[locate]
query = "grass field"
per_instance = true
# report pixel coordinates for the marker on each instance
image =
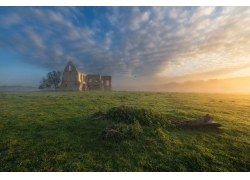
(56, 131)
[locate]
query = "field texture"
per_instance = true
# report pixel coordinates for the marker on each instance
(61, 131)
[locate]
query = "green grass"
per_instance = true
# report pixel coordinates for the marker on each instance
(56, 131)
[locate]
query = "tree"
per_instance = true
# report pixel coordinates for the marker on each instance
(52, 79)
(43, 84)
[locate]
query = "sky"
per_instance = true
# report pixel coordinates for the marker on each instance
(157, 44)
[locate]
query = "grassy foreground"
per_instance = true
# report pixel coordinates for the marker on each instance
(56, 131)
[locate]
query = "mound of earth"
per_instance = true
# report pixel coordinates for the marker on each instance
(128, 115)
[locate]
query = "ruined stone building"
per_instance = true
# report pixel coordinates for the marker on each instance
(74, 80)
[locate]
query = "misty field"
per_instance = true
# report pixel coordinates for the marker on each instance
(61, 131)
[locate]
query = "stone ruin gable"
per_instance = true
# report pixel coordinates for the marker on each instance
(74, 80)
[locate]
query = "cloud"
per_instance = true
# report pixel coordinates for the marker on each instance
(202, 12)
(138, 18)
(174, 13)
(79, 33)
(113, 16)
(10, 20)
(36, 40)
(147, 41)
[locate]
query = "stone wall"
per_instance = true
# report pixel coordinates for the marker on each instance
(94, 82)
(107, 82)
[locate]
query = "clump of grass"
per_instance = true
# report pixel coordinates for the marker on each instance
(123, 131)
(127, 114)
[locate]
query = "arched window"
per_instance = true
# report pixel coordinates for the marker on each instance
(90, 80)
(69, 68)
(107, 82)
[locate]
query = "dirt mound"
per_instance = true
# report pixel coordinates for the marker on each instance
(128, 115)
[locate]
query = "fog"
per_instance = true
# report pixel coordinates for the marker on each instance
(229, 85)
(17, 88)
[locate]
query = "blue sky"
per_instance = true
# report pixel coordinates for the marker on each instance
(157, 44)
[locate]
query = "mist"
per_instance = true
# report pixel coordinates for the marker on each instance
(228, 85)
